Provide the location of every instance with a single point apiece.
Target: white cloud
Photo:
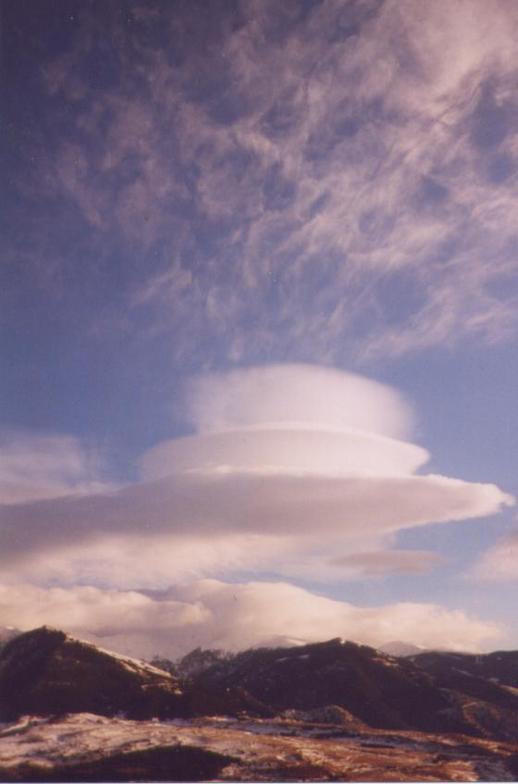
(213, 503)
(88, 610)
(203, 505)
(500, 562)
(275, 481)
(242, 615)
(211, 613)
(294, 450)
(46, 466)
(318, 397)
(148, 559)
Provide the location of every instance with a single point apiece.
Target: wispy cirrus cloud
(296, 181)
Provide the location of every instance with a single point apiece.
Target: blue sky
(300, 216)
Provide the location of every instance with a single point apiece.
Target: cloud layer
(233, 616)
(279, 492)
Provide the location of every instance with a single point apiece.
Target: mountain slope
(380, 690)
(500, 667)
(430, 692)
(7, 633)
(45, 672)
(485, 687)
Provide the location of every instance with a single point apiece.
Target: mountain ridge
(46, 671)
(327, 711)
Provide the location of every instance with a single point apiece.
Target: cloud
(232, 616)
(324, 182)
(318, 397)
(382, 562)
(283, 491)
(297, 449)
(299, 491)
(203, 507)
(500, 562)
(89, 610)
(35, 467)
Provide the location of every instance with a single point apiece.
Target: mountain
(7, 633)
(45, 671)
(322, 711)
(199, 660)
(430, 692)
(485, 687)
(380, 690)
(500, 667)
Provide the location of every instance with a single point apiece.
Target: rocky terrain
(86, 747)
(322, 712)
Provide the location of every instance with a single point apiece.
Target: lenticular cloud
(318, 397)
(288, 465)
(291, 420)
(312, 443)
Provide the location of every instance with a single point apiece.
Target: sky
(258, 321)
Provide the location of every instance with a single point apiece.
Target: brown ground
(85, 747)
